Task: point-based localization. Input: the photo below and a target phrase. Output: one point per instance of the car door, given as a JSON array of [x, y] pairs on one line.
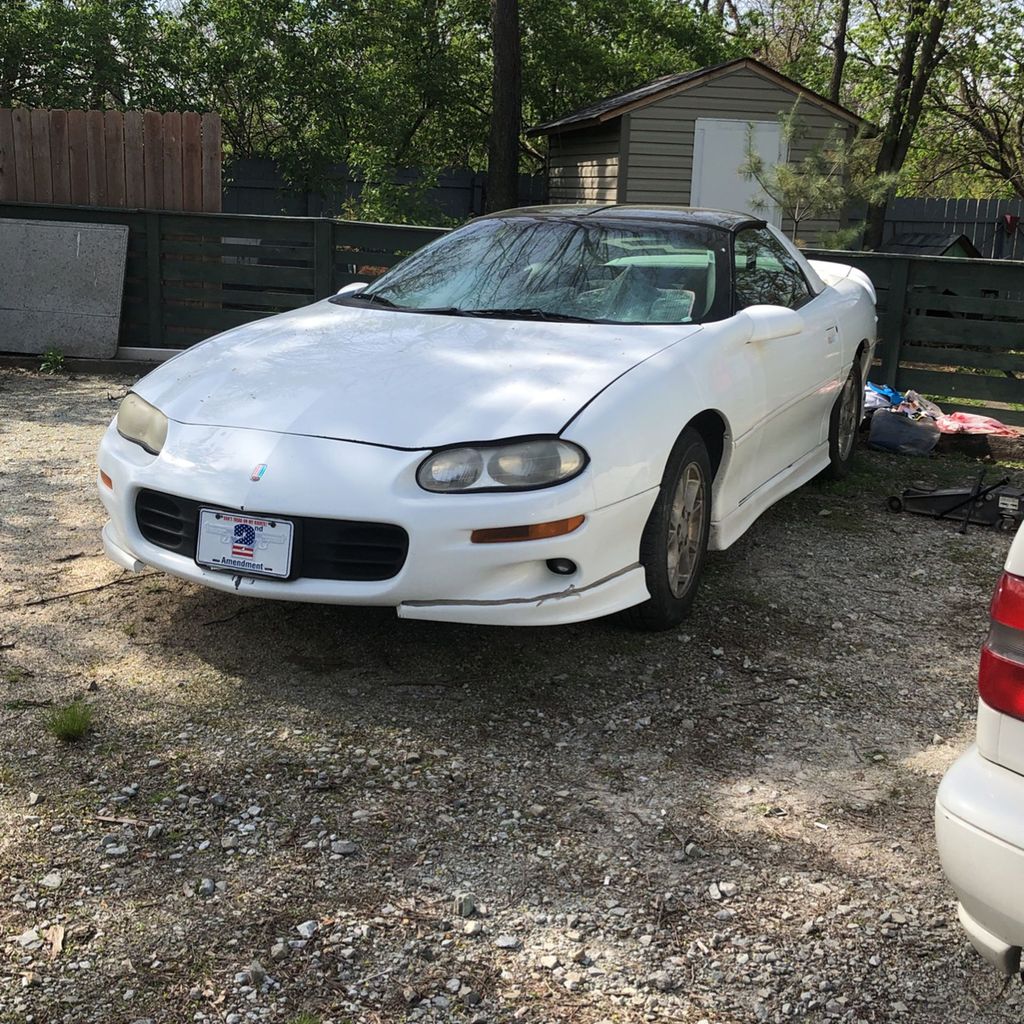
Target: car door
[[800, 371]]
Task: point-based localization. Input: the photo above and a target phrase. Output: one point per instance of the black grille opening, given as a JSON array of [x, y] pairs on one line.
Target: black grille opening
[[324, 549], [336, 549], [167, 521]]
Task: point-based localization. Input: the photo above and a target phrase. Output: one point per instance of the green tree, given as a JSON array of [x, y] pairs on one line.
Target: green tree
[[821, 184]]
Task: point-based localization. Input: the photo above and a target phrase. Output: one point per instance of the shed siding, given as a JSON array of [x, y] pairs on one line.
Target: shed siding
[[583, 165], [660, 142]]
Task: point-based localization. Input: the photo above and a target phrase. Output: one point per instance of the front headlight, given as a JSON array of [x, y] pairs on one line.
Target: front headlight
[[142, 423], [516, 465]]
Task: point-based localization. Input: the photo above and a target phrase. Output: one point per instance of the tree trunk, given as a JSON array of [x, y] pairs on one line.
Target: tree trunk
[[506, 107], [835, 86], [874, 225]]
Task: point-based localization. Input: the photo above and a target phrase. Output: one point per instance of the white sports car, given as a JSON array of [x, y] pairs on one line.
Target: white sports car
[[548, 415]]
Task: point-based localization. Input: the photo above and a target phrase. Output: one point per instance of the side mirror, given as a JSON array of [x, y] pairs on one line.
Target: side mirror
[[770, 322], [352, 289]]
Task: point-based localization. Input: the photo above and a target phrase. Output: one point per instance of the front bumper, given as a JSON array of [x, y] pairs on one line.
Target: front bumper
[[980, 834], [444, 577]]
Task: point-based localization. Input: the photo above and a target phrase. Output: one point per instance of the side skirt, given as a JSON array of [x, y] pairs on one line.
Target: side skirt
[[725, 532]]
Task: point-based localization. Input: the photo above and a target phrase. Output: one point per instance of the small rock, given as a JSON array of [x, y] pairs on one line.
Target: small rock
[[464, 904], [662, 981], [207, 887], [307, 929], [473, 927], [507, 942], [279, 950], [52, 880], [344, 848]]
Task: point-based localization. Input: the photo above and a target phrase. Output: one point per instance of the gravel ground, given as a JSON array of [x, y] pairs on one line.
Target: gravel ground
[[307, 814]]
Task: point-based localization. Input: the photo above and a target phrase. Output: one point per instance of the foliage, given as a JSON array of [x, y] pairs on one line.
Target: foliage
[[312, 83], [821, 184], [978, 105], [52, 361], [70, 723]]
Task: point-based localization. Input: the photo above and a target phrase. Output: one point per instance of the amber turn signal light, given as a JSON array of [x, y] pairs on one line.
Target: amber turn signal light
[[537, 531], [106, 480]]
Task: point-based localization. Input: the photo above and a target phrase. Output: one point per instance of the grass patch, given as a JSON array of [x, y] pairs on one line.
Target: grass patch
[[70, 723], [52, 361]]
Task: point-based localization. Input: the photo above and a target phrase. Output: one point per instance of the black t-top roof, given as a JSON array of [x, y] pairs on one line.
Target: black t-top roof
[[666, 213]]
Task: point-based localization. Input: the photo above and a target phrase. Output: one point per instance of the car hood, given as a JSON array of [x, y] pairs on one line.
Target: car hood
[[403, 380]]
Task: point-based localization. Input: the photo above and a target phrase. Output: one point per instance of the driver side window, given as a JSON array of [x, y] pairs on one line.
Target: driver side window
[[765, 273]]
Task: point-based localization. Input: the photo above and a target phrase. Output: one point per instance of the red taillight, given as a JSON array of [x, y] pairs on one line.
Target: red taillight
[[1001, 683], [1001, 672], [1008, 601]]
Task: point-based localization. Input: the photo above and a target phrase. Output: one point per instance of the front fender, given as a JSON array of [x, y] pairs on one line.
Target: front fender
[[630, 427]]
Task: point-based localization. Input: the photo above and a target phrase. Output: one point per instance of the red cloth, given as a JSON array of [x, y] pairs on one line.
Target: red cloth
[[971, 423]]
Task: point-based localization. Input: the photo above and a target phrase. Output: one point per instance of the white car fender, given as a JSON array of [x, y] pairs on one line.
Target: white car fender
[[630, 427]]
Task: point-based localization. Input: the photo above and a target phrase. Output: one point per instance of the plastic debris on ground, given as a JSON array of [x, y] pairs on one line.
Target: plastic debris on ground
[[906, 423]]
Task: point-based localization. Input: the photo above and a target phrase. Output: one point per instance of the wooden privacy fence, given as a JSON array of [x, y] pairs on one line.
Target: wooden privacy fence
[[949, 328], [952, 329], [109, 158], [191, 275]]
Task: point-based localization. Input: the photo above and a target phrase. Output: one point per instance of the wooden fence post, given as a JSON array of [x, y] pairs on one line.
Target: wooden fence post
[[323, 257], [154, 290], [895, 315]]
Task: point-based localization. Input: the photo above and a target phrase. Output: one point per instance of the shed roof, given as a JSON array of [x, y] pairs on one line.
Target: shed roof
[[614, 106], [927, 243]]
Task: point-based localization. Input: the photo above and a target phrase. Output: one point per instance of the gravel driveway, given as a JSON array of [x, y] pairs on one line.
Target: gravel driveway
[[316, 814]]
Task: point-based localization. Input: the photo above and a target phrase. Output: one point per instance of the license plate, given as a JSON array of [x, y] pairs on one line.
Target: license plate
[[250, 544]]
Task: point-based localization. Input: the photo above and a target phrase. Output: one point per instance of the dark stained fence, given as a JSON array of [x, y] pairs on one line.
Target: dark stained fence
[[949, 328], [259, 186], [952, 329], [191, 275], [111, 159], [995, 226]]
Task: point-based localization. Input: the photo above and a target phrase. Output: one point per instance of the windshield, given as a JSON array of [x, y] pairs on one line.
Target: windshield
[[546, 268]]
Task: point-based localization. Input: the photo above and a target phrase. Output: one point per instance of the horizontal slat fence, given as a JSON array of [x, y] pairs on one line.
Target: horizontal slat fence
[[951, 329], [191, 275], [108, 158]]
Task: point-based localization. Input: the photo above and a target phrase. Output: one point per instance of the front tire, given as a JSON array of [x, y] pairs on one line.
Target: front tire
[[843, 425], [674, 544]]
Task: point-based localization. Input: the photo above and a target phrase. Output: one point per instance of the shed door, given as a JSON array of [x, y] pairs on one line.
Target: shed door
[[719, 149]]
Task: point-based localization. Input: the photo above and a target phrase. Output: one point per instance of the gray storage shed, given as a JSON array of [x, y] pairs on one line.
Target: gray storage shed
[[682, 138]]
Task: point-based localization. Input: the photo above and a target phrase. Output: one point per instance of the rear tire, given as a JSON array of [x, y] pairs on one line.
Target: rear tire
[[843, 425], [674, 543]]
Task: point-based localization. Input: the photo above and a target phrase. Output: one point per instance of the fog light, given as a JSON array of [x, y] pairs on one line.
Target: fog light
[[562, 566]]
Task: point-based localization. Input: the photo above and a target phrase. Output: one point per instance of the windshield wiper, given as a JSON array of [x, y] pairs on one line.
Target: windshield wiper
[[376, 300], [497, 313], [527, 313]]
